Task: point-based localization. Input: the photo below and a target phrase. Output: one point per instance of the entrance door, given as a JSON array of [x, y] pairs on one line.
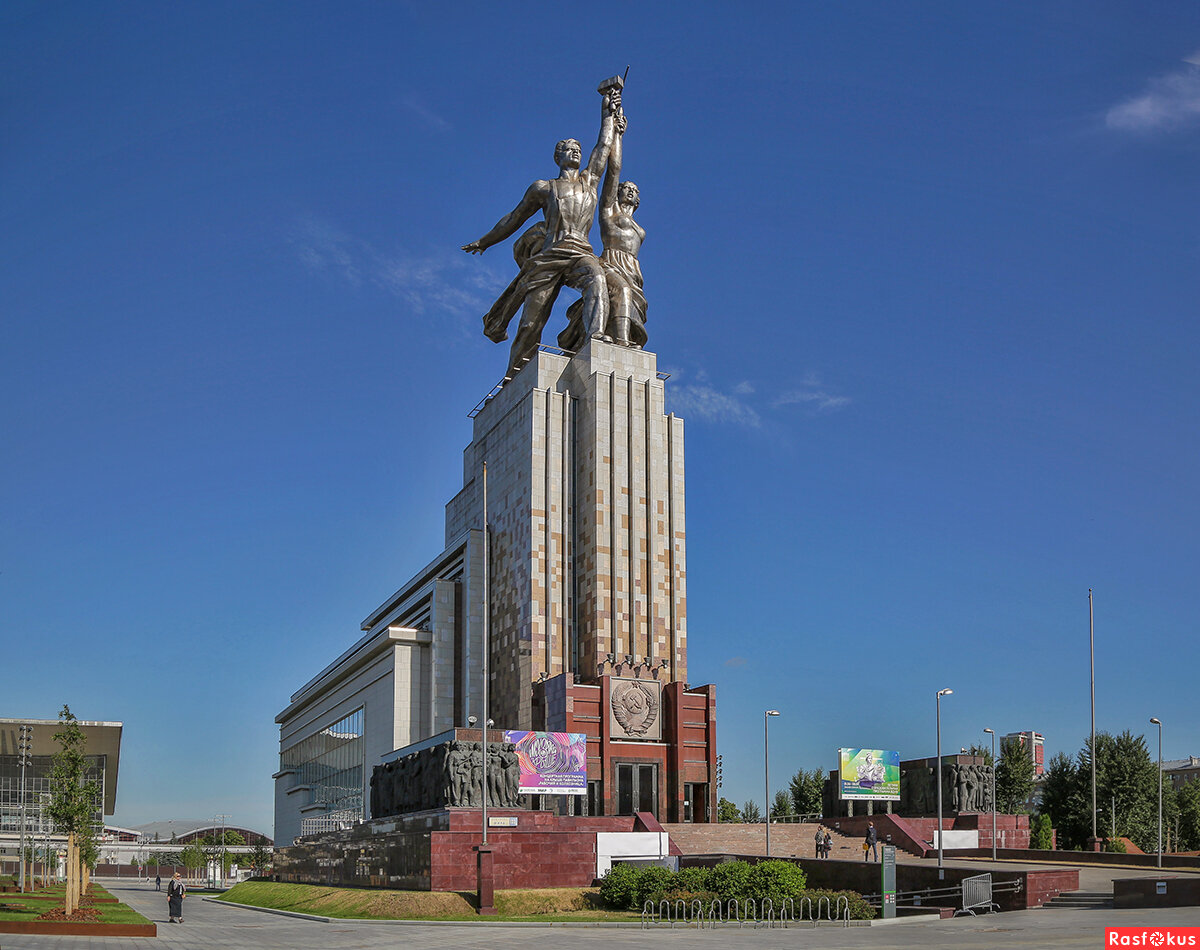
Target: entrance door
[[637, 788]]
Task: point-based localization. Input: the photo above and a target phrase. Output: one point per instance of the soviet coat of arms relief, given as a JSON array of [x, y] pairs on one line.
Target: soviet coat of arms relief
[[634, 706]]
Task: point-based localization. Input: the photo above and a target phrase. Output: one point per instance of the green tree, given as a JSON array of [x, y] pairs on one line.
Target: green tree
[[193, 857], [1014, 777], [981, 751], [807, 789], [1187, 801], [232, 838], [781, 807], [1064, 804], [1041, 833], [73, 801], [260, 857], [1127, 783], [750, 812], [728, 811]]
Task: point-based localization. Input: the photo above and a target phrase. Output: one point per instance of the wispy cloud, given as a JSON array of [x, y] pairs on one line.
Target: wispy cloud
[[736, 661], [743, 403], [414, 104], [706, 402], [444, 281], [1171, 101], [812, 393]]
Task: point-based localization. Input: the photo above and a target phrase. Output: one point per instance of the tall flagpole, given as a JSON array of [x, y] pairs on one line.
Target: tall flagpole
[[1092, 646], [487, 570]]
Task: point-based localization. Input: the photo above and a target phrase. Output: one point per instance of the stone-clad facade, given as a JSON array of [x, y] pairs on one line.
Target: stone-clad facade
[[585, 500], [585, 475]]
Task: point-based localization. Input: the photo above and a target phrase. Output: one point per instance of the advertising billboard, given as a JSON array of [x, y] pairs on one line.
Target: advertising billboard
[[868, 775], [552, 763]]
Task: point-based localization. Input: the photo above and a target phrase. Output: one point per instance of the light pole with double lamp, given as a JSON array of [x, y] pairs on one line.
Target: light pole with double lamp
[[993, 735], [767, 775], [940, 694], [1159, 724]]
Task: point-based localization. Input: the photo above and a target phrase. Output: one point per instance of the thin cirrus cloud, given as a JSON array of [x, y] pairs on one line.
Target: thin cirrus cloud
[[1169, 102], [443, 282], [706, 402], [710, 403]]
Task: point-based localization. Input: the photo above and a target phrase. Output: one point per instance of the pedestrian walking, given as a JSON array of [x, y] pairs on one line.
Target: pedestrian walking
[[176, 892], [820, 841], [158, 882], [871, 842], [828, 843]]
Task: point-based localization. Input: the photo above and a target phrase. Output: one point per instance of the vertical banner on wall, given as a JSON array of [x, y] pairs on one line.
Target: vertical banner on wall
[[868, 775], [552, 763]]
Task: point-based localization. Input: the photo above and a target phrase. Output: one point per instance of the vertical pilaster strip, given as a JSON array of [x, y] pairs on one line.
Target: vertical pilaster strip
[[631, 489], [648, 501], [613, 616], [548, 586]]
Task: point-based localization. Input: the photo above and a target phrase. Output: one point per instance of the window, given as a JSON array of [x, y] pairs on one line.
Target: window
[[331, 764]]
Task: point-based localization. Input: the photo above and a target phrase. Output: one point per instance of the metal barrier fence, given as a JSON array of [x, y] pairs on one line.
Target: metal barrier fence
[[756, 913], [977, 893], [954, 894]]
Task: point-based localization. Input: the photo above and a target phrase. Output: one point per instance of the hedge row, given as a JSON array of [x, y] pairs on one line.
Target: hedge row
[[628, 887]]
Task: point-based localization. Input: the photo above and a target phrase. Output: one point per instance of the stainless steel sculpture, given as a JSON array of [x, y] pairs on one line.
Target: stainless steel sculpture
[[556, 251], [622, 238]]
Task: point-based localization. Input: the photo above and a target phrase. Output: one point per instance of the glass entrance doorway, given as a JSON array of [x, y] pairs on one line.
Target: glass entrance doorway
[[637, 788]]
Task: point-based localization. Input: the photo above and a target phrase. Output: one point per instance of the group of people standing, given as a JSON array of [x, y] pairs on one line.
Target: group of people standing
[[824, 842]]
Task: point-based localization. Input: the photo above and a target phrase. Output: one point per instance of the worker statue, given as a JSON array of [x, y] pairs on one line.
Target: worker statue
[[556, 251]]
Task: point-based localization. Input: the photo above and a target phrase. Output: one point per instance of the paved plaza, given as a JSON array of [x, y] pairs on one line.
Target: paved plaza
[[211, 925]]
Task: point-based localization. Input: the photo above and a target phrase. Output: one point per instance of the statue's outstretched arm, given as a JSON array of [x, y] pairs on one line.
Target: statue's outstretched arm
[[507, 226], [608, 195], [608, 110]]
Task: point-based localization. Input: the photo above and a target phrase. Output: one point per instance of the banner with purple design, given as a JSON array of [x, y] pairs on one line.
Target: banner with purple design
[[552, 763]]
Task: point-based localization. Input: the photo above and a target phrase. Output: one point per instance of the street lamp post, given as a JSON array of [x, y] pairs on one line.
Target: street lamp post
[[767, 775], [24, 746], [940, 694], [992, 733], [1158, 723]]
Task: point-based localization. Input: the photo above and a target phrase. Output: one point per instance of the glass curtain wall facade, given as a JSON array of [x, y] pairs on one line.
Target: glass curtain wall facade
[[37, 792], [331, 764]]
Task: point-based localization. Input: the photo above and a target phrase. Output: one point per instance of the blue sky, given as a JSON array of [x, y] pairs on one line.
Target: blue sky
[[925, 278]]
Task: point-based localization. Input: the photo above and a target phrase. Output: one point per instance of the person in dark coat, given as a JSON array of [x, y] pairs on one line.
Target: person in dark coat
[[176, 892], [871, 842], [158, 882]]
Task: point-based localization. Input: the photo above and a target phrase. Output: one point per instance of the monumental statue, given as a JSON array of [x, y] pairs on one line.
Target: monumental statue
[[556, 251], [622, 238]]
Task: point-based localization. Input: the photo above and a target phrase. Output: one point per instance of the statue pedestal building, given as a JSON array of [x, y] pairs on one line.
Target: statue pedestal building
[[588, 626]]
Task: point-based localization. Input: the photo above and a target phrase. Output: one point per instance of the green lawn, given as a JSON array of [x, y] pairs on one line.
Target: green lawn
[[15, 907], [561, 903]]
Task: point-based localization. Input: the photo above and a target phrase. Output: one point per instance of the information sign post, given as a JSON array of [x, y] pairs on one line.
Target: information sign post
[[889, 881]]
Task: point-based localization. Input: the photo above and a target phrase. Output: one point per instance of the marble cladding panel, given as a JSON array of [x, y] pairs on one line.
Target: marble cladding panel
[[585, 494]]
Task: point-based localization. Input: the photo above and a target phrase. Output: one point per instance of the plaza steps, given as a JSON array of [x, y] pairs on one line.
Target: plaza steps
[[1079, 899], [787, 839]]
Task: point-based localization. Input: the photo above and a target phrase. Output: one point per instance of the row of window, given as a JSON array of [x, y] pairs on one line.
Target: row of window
[[330, 762]]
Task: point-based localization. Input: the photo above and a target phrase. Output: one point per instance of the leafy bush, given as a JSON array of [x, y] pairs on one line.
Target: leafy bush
[[653, 880], [728, 879], [1041, 833], [1115, 846], [775, 880], [859, 908], [618, 886], [671, 896], [692, 879]]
